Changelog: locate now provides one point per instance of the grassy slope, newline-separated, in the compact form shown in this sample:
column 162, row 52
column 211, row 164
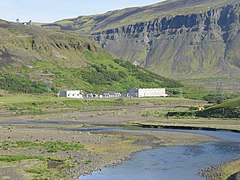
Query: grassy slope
column 63, row 60
column 227, row 109
column 190, row 61
column 232, row 103
column 229, row 169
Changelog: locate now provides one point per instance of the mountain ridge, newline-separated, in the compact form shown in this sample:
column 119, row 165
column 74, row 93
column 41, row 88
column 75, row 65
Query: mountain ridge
column 193, row 40
column 188, row 46
column 160, row 9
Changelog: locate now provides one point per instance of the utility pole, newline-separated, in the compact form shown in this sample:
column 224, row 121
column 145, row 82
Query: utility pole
column 181, row 93
column 236, row 87
column 219, row 87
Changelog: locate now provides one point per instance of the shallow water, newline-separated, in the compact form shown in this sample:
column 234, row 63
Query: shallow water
column 174, row 163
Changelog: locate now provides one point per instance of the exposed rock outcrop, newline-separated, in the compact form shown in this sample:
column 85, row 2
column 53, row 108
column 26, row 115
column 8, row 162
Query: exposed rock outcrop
column 204, row 44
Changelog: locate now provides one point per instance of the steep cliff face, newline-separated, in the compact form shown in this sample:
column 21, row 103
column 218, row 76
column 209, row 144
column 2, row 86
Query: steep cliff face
column 202, row 44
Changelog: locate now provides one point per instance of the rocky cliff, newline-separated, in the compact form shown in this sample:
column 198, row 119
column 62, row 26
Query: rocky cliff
column 205, row 44
column 175, row 38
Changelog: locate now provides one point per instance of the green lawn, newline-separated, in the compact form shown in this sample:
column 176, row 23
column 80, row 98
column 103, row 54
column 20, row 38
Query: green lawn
column 39, row 104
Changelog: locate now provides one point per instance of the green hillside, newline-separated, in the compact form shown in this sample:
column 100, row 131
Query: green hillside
column 36, row 60
column 227, row 109
column 179, row 39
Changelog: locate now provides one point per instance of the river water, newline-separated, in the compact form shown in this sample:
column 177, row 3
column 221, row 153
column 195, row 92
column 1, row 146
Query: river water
column 174, row 163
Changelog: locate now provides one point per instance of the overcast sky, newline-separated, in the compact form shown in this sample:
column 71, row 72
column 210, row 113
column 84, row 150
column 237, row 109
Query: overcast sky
column 52, row 10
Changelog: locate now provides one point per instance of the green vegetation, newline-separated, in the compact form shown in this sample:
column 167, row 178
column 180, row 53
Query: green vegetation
column 102, row 74
column 13, row 83
column 229, row 169
column 119, row 101
column 60, row 146
column 232, row 103
column 13, row 158
column 152, row 114
column 88, row 162
column 147, row 76
column 190, row 92
column 214, row 98
column 50, row 146
column 43, row 172
column 37, row 104
column 39, row 170
column 190, row 123
column 180, row 58
column 18, row 144
column 227, row 109
column 54, row 63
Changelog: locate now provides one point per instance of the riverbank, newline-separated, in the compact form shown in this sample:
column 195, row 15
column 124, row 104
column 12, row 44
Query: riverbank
column 228, row 171
column 24, row 139
column 22, row 150
column 193, row 124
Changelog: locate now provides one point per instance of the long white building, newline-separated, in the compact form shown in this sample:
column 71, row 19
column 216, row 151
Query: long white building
column 71, row 94
column 147, row 92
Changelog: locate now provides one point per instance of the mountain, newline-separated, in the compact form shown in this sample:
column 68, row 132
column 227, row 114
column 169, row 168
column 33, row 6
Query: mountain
column 37, row 60
column 175, row 38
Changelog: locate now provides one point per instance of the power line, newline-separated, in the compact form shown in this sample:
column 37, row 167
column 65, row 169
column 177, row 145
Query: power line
column 219, row 87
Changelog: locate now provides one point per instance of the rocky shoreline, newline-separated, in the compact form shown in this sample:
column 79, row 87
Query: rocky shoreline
column 101, row 148
column 211, row 173
column 217, row 173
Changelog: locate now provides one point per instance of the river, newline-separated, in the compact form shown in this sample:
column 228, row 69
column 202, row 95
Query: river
column 174, row 163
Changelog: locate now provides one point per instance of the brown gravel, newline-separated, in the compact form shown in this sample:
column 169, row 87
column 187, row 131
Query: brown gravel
column 100, row 149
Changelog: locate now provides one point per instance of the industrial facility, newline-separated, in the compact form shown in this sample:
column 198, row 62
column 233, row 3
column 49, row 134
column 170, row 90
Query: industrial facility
column 147, row 92
column 132, row 93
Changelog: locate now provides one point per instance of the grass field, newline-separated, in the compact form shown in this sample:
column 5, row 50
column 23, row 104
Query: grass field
column 29, row 142
column 227, row 109
column 38, row 104
column 210, row 84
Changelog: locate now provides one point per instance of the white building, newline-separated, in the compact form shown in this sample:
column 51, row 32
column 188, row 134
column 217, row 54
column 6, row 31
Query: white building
column 71, row 94
column 147, row 92
column 111, row 95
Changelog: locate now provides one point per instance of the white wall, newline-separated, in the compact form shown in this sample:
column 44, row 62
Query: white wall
column 152, row 92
